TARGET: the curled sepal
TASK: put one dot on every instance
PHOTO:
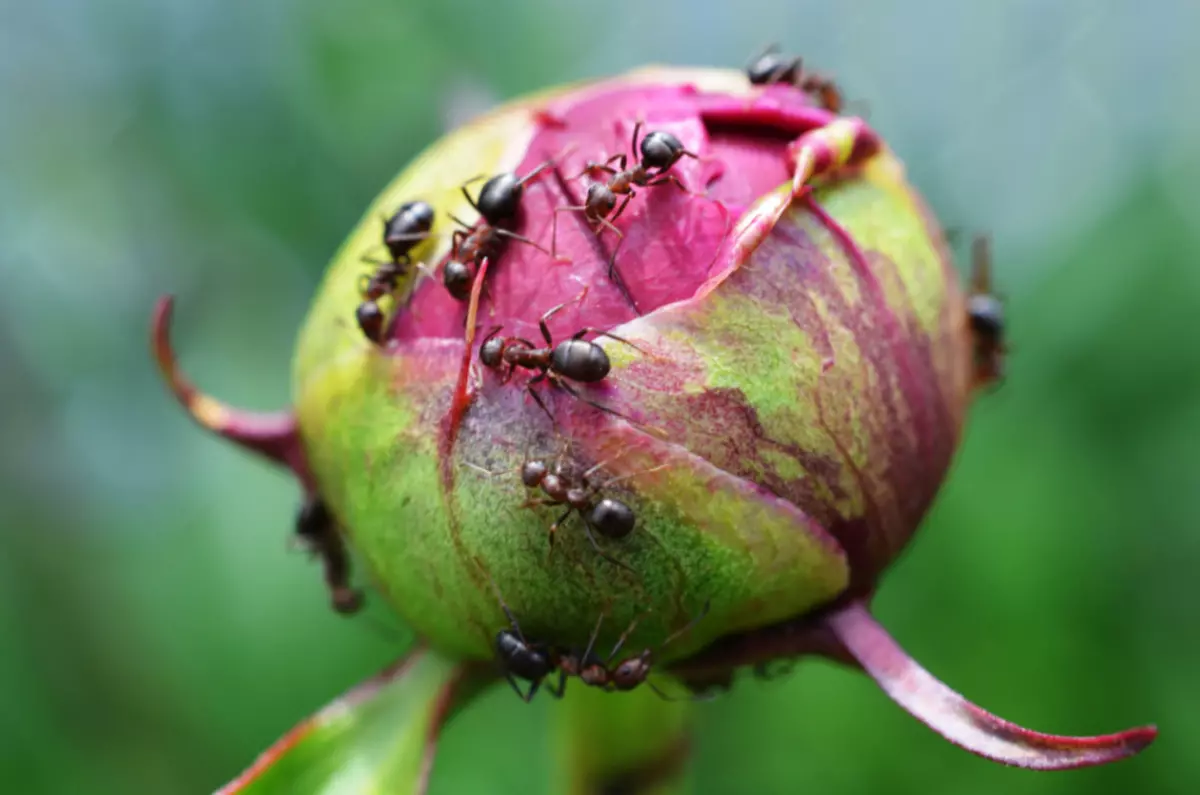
(960, 721)
(380, 736)
(272, 434)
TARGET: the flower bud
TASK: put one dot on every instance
(670, 361)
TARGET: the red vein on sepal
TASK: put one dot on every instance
(348, 700)
(437, 719)
(958, 720)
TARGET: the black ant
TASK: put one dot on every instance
(659, 150)
(574, 359)
(534, 662)
(317, 530)
(771, 66)
(609, 517)
(407, 227)
(986, 314)
(498, 204)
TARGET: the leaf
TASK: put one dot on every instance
(380, 736)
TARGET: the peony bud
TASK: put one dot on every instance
(671, 360)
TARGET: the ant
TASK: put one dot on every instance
(498, 203)
(609, 517)
(574, 359)
(986, 315)
(407, 227)
(316, 529)
(659, 150)
(534, 662)
(771, 66)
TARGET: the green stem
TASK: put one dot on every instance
(632, 743)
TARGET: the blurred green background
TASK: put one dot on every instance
(157, 631)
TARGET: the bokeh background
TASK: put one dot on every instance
(157, 632)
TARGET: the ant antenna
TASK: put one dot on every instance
(621, 640)
(690, 625)
(587, 653)
(503, 605)
(693, 697)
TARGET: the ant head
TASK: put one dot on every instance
(580, 360)
(500, 197)
(370, 320)
(660, 150)
(600, 197)
(612, 518)
(458, 277)
(520, 658)
(987, 315)
(766, 67)
(632, 672)
(491, 352)
(346, 600)
(532, 472)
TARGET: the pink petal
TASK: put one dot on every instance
(960, 721)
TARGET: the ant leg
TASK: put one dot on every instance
(370, 260)
(587, 529)
(537, 171)
(466, 195)
(600, 333)
(633, 143)
(539, 502)
(609, 224)
(703, 612)
(562, 685)
(460, 222)
(456, 240)
(554, 530)
(494, 331)
(621, 209)
(522, 239)
(541, 403)
(533, 688)
(981, 265)
(587, 654)
(692, 697)
(621, 641)
(592, 166)
(662, 178)
(552, 312)
(575, 393)
(512, 682)
(554, 228)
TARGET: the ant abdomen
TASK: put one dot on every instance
(580, 360)
(612, 518)
(987, 316)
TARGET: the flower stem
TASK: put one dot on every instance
(634, 743)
